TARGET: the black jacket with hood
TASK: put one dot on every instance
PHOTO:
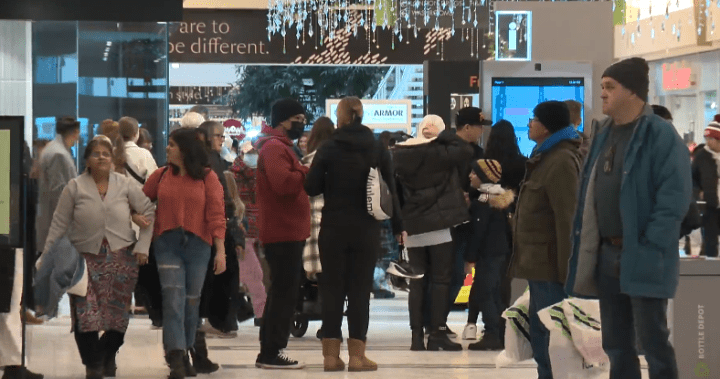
(340, 171)
(433, 179)
(489, 220)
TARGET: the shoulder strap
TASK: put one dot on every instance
(133, 173)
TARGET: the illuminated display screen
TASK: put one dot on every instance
(513, 99)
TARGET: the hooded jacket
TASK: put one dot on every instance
(284, 207)
(655, 195)
(545, 208)
(489, 220)
(431, 174)
(340, 171)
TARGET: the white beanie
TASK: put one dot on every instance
(191, 120)
(432, 120)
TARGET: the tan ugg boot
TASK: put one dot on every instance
(331, 355)
(358, 360)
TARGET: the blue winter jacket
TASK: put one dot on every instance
(655, 196)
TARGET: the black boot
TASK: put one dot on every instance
(94, 372)
(439, 340)
(201, 362)
(175, 359)
(109, 365)
(16, 372)
(189, 369)
(418, 340)
(489, 342)
(110, 343)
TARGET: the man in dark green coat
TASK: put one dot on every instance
(635, 191)
(543, 218)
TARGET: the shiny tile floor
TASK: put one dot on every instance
(52, 352)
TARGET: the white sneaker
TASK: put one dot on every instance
(470, 332)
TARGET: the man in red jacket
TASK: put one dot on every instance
(284, 223)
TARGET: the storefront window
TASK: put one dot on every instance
(100, 70)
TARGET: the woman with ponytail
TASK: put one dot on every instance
(349, 239)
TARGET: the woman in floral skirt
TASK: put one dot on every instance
(94, 212)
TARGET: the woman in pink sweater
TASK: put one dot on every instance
(190, 218)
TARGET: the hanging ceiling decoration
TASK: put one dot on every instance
(322, 21)
(655, 16)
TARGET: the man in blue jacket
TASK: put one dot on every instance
(634, 192)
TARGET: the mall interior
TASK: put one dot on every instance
(405, 59)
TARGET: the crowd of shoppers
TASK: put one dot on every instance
(201, 225)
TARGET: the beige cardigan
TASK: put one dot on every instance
(87, 219)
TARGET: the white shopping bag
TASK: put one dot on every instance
(584, 321)
(565, 359)
(517, 333)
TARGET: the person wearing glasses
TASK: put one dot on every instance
(543, 218)
(635, 191)
(284, 221)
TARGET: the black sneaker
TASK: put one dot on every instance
(279, 362)
(383, 294)
(403, 270)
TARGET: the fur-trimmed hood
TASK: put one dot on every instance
(496, 196)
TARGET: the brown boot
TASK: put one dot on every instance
(358, 360)
(331, 353)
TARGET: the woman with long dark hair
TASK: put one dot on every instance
(190, 218)
(94, 211)
(349, 239)
(502, 147)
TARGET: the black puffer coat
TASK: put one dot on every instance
(432, 185)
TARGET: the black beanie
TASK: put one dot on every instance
(284, 109)
(632, 73)
(555, 115)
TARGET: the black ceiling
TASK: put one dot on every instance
(92, 10)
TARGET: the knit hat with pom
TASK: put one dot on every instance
(488, 170)
(713, 129)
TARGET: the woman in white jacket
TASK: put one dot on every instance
(94, 212)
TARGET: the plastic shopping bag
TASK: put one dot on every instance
(565, 359)
(517, 333)
(583, 319)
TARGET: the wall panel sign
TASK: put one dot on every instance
(380, 113)
(677, 78)
(182, 95)
(513, 36)
(240, 36)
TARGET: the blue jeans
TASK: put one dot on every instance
(542, 295)
(623, 316)
(182, 259)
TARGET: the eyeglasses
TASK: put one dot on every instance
(609, 159)
(104, 154)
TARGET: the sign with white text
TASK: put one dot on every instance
(380, 114)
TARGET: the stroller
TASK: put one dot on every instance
(309, 308)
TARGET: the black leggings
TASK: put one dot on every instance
(93, 349)
(348, 255)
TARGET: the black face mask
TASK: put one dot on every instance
(296, 130)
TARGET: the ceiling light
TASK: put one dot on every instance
(109, 43)
(105, 59)
(175, 65)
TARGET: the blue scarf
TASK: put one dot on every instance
(554, 139)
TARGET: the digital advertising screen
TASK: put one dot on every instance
(513, 99)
